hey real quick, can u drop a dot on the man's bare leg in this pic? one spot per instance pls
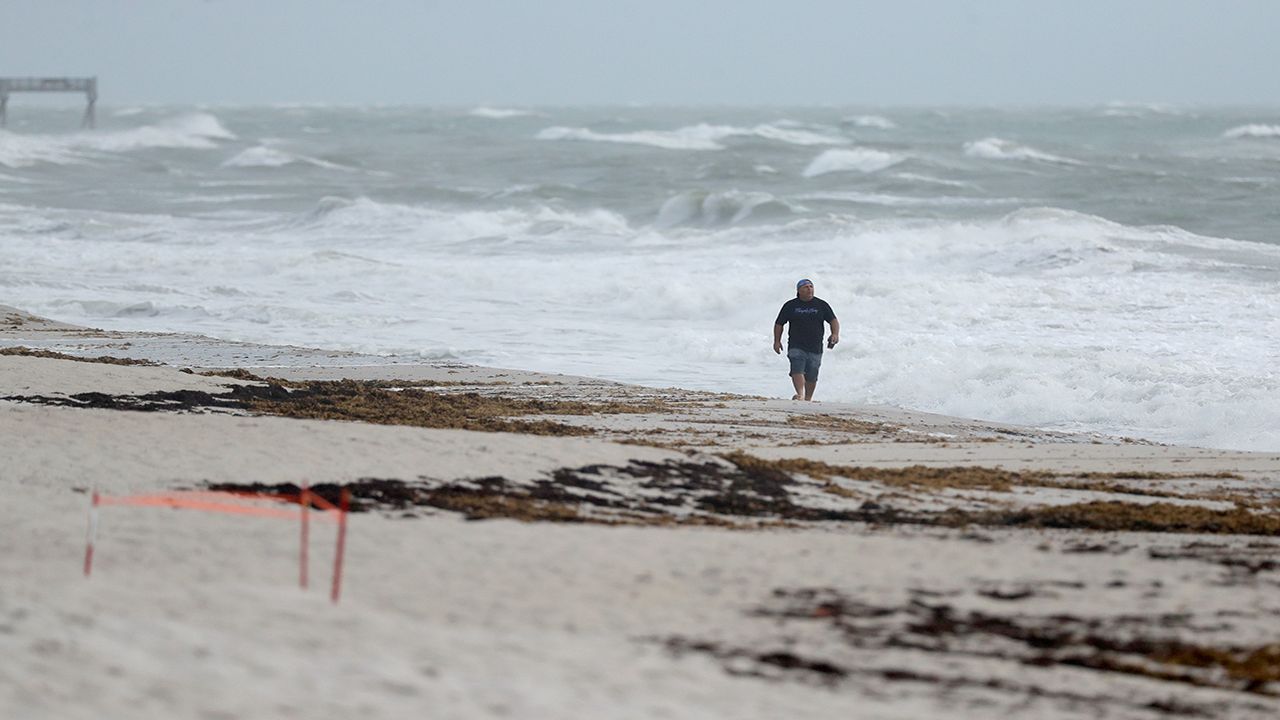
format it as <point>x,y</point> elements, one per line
<point>809,388</point>
<point>798,381</point>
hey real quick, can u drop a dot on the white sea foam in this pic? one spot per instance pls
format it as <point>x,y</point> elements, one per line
<point>865,160</point>
<point>870,121</point>
<point>994,148</point>
<point>1044,316</point>
<point>499,113</point>
<point>693,137</point>
<point>1253,131</point>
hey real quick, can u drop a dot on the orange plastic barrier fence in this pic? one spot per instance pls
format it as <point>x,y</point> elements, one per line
<point>234,503</point>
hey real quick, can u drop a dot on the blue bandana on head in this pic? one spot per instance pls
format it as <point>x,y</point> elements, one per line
<point>803,282</point>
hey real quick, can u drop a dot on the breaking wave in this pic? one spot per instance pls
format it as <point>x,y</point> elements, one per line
<point>994,148</point>
<point>1253,131</point>
<point>199,131</point>
<point>864,160</point>
<point>264,156</point>
<point>393,222</point>
<point>699,208</point>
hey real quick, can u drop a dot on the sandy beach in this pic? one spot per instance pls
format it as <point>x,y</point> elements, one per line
<point>534,545</point>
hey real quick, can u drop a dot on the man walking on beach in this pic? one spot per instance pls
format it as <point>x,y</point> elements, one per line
<point>806,314</point>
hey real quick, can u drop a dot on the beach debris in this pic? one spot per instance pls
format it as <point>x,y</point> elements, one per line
<point>357,401</point>
<point>831,637</point>
<point>740,491</point>
<point>23,351</point>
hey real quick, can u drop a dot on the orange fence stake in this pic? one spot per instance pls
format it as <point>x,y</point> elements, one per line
<point>92,533</point>
<point>342,545</point>
<point>304,504</point>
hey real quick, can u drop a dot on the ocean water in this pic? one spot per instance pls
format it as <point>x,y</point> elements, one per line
<point>1104,269</point>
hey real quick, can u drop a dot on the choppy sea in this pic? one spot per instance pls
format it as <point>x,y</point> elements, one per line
<point>1109,269</point>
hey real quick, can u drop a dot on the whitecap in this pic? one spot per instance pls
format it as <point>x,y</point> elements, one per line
<point>1120,109</point>
<point>264,156</point>
<point>994,148</point>
<point>1253,131</point>
<point>192,130</point>
<point>878,122</point>
<point>866,160</point>
<point>699,137</point>
<point>793,136</point>
<point>693,137</point>
<point>499,113</point>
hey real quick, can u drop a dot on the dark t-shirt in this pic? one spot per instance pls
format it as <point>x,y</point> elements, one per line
<point>805,318</point>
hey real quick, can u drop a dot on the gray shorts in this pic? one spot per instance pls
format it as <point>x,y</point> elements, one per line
<point>803,361</point>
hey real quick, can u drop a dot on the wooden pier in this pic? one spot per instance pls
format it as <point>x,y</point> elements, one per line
<point>88,86</point>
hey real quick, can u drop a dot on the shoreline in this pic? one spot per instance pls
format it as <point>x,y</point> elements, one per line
<point>538,545</point>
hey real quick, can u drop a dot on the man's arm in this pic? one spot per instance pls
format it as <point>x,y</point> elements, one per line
<point>835,333</point>
<point>777,338</point>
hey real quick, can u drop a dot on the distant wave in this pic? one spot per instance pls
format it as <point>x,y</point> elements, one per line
<point>194,130</point>
<point>693,137</point>
<point>1138,109</point>
<point>18,151</point>
<point>994,148</point>
<point>366,217</point>
<point>870,121</point>
<point>705,209</point>
<point>915,177</point>
<point>864,160</point>
<point>265,156</point>
<point>1253,131</point>
<point>499,113</point>
<point>792,136</point>
<point>13,179</point>
<point>888,200</point>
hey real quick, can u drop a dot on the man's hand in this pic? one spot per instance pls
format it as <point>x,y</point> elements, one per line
<point>833,341</point>
<point>777,346</point>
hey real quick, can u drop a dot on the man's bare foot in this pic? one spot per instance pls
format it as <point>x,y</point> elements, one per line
<point>795,397</point>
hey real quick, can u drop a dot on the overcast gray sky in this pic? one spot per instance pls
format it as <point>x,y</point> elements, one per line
<point>653,51</point>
